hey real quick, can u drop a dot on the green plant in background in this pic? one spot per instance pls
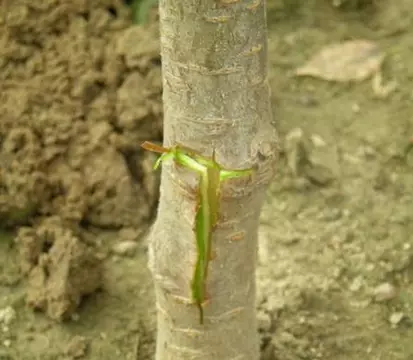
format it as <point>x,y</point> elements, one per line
<point>6,237</point>
<point>141,10</point>
<point>17,216</point>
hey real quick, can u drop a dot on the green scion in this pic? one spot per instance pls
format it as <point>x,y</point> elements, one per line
<point>211,174</point>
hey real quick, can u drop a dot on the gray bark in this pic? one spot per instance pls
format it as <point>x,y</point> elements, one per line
<point>216,96</point>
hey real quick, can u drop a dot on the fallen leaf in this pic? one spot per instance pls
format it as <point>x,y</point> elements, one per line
<point>354,60</point>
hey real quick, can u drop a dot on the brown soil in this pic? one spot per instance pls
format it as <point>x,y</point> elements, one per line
<point>80,89</point>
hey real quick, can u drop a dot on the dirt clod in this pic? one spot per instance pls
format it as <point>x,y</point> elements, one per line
<point>70,137</point>
<point>311,157</point>
<point>67,135</point>
<point>61,269</point>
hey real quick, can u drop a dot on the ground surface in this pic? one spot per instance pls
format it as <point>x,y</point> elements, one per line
<point>336,257</point>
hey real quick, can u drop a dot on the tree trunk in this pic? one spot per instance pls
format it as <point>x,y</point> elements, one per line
<point>216,96</point>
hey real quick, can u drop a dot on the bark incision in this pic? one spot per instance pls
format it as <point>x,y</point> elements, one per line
<point>216,96</point>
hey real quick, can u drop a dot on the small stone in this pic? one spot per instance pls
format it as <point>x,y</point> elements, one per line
<point>396,318</point>
<point>7,343</point>
<point>317,140</point>
<point>370,267</point>
<point>324,164</point>
<point>7,315</point>
<point>337,272</point>
<point>384,292</point>
<point>125,248</point>
<point>356,284</point>
<point>77,347</point>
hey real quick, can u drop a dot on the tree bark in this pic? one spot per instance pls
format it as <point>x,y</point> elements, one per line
<point>216,96</point>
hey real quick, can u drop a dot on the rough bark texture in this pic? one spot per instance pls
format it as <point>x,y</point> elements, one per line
<point>216,96</point>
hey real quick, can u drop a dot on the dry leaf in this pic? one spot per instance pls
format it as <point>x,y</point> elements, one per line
<point>354,60</point>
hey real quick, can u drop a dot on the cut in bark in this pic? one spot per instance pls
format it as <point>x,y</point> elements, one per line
<point>216,98</point>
